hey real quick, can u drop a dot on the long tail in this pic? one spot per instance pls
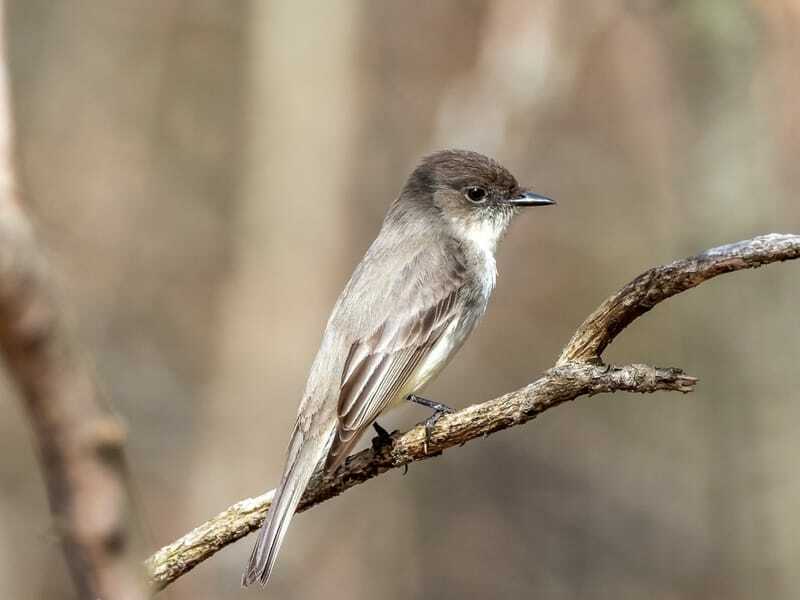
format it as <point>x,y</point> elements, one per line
<point>303,456</point>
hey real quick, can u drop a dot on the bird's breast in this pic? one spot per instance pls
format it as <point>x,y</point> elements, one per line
<point>443,350</point>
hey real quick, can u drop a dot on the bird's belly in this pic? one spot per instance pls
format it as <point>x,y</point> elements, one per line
<point>436,360</point>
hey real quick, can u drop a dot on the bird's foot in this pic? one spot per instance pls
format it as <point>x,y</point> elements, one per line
<point>439,410</point>
<point>382,439</point>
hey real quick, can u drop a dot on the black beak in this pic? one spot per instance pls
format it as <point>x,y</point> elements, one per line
<point>530,199</point>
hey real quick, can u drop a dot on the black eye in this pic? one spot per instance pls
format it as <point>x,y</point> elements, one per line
<point>475,194</point>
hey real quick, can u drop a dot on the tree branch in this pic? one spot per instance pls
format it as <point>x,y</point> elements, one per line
<point>660,283</point>
<point>79,444</point>
<point>579,372</point>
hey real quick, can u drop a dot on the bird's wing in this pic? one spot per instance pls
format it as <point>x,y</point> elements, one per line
<point>379,365</point>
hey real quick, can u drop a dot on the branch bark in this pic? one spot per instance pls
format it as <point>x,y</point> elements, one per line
<point>578,372</point>
<point>659,283</point>
<point>79,444</point>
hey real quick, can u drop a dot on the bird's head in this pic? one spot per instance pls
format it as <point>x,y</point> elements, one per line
<point>475,194</point>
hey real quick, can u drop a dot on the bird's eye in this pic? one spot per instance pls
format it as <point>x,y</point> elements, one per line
<point>475,194</point>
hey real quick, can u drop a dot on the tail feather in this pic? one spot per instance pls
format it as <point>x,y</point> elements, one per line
<point>303,458</point>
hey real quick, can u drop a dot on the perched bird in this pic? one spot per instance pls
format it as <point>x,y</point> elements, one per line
<point>411,302</point>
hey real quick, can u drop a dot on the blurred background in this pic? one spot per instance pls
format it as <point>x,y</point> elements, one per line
<point>206,174</point>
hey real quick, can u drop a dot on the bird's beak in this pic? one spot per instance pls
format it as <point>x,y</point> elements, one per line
<point>530,199</point>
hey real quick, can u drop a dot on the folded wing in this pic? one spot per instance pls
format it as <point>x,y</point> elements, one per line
<point>379,365</point>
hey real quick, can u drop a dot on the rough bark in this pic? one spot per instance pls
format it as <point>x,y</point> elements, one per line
<point>659,283</point>
<point>578,372</point>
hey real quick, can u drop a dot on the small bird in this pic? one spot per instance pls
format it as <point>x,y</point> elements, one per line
<point>417,294</point>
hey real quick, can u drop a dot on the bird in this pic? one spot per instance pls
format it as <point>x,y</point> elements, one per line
<point>412,301</point>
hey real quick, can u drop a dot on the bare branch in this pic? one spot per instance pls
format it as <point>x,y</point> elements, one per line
<point>79,444</point>
<point>660,283</point>
<point>579,372</point>
<point>556,386</point>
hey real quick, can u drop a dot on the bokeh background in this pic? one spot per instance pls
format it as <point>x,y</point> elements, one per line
<point>206,174</point>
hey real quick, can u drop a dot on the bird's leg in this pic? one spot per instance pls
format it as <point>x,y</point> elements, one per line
<point>383,439</point>
<point>438,411</point>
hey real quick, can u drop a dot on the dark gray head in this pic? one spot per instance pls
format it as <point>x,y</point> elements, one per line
<point>475,194</point>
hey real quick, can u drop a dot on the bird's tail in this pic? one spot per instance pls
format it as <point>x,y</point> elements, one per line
<point>303,457</point>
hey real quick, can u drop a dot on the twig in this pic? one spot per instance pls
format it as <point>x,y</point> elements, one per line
<point>558,385</point>
<point>579,372</point>
<point>79,444</point>
<point>660,283</point>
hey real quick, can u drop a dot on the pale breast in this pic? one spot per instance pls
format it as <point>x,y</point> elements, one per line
<point>441,353</point>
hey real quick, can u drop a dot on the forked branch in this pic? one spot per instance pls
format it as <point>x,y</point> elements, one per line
<point>578,372</point>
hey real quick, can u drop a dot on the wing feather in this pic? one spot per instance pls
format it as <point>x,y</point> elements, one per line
<point>377,366</point>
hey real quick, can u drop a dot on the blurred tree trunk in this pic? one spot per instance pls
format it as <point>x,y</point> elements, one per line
<point>204,238</point>
<point>130,137</point>
<point>777,86</point>
<point>304,107</point>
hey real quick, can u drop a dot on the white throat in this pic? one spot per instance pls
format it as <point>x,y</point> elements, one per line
<point>482,235</point>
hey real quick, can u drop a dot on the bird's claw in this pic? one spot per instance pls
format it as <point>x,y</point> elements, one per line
<point>438,412</point>
<point>382,439</point>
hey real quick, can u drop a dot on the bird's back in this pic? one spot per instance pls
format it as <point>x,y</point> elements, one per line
<point>405,269</point>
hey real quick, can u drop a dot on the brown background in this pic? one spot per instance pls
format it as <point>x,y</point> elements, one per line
<point>205,175</point>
